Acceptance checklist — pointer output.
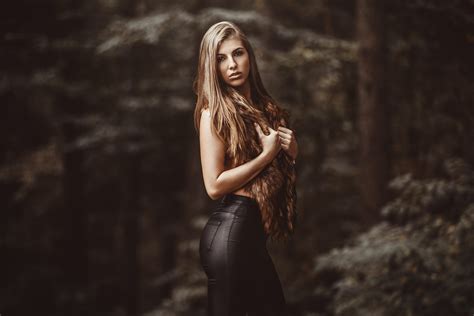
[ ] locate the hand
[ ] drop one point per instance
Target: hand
(270, 143)
(288, 141)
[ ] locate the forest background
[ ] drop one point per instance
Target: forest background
(101, 190)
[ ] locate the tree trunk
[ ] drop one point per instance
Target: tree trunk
(75, 220)
(373, 122)
(129, 221)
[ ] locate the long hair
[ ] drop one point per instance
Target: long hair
(232, 114)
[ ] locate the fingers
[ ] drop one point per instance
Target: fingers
(284, 143)
(271, 129)
(258, 128)
(284, 140)
(260, 131)
(284, 135)
(285, 130)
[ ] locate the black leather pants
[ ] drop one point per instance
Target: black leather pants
(242, 279)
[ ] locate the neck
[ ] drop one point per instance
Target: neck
(245, 91)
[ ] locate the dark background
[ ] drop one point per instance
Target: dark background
(101, 191)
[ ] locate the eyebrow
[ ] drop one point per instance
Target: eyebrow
(240, 47)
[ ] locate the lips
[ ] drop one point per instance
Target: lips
(235, 75)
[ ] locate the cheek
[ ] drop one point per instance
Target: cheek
(222, 69)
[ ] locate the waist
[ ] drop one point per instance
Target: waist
(238, 204)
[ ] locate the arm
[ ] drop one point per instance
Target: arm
(217, 181)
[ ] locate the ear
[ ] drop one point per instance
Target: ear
(283, 122)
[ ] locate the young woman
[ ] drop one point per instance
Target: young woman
(248, 154)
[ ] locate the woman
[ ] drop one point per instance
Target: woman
(248, 154)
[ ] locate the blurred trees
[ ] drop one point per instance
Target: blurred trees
(100, 180)
(417, 262)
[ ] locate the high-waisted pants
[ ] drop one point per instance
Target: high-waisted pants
(241, 277)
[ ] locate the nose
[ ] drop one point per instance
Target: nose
(232, 63)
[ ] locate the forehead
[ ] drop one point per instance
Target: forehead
(230, 44)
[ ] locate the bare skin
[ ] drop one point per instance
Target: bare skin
(219, 179)
(233, 63)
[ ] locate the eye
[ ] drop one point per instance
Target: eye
(220, 58)
(238, 52)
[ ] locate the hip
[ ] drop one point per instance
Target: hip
(236, 218)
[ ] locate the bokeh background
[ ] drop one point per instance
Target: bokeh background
(101, 191)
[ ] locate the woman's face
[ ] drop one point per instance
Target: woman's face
(233, 62)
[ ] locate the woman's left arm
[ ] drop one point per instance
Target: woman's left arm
(288, 140)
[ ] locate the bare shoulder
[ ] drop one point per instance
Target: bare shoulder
(205, 121)
(206, 111)
(205, 118)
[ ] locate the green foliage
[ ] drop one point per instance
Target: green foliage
(418, 261)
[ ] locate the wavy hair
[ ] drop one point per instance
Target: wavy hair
(232, 114)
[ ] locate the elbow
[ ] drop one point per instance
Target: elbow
(214, 193)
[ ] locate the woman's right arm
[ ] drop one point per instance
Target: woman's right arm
(219, 181)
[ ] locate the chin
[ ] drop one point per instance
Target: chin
(236, 86)
(236, 83)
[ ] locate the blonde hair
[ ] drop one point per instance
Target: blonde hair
(222, 99)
